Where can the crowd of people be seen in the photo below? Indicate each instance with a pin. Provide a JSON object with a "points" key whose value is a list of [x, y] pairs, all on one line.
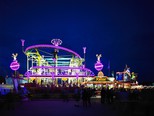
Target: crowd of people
{"points": [[83, 95], [126, 95]]}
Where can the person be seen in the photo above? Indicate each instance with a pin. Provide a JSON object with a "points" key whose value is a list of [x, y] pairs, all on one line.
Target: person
{"points": [[77, 96], [84, 97], [34, 81], [41, 82], [108, 95], [65, 94], [103, 95], [111, 95], [89, 94]]}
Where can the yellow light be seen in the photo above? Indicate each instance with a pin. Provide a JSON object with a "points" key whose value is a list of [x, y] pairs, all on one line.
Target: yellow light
{"points": [[64, 79]]}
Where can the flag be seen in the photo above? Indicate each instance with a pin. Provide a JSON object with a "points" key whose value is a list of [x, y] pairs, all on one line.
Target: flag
{"points": [[108, 67]]}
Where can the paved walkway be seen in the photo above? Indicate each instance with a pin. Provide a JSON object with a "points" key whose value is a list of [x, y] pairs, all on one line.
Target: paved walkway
{"points": [[61, 108], [58, 108]]}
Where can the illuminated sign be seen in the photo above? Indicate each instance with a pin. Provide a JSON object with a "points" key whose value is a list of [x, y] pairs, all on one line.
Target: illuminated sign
{"points": [[100, 79], [64, 79], [14, 65]]}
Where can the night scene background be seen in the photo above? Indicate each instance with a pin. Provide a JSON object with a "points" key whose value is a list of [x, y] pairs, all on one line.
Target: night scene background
{"points": [[122, 31]]}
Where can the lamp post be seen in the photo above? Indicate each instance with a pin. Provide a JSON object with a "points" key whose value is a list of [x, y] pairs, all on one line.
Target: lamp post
{"points": [[84, 51], [15, 66], [23, 44]]}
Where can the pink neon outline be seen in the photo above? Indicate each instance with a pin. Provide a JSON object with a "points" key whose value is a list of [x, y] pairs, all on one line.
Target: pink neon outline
{"points": [[48, 75], [59, 67], [51, 46], [74, 76], [14, 65]]}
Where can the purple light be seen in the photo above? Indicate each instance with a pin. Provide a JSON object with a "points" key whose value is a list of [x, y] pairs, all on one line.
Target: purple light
{"points": [[84, 50], [14, 65], [28, 74], [77, 76], [61, 67], [66, 76], [22, 41], [52, 73], [98, 66], [54, 59], [51, 46]]}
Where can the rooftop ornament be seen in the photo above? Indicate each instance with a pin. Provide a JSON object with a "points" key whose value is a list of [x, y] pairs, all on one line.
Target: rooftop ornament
{"points": [[56, 42]]}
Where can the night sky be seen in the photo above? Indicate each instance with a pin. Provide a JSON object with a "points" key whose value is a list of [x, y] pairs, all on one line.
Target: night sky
{"points": [[122, 31]]}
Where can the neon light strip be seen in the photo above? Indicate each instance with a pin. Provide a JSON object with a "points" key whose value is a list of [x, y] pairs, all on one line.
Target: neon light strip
{"points": [[61, 76], [63, 64], [58, 58], [64, 58], [54, 61], [51, 46], [62, 67], [59, 62]]}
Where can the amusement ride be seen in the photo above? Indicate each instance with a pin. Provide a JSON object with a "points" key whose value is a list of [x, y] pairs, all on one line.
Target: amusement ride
{"points": [[54, 63]]}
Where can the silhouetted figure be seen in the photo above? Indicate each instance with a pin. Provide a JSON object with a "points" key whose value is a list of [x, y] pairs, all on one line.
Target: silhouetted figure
{"points": [[77, 96], [65, 94], [34, 81], [41, 82], [84, 98], [111, 94], [103, 95], [89, 94]]}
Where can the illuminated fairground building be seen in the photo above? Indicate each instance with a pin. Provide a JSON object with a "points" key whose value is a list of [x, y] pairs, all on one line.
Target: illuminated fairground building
{"points": [[52, 63]]}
